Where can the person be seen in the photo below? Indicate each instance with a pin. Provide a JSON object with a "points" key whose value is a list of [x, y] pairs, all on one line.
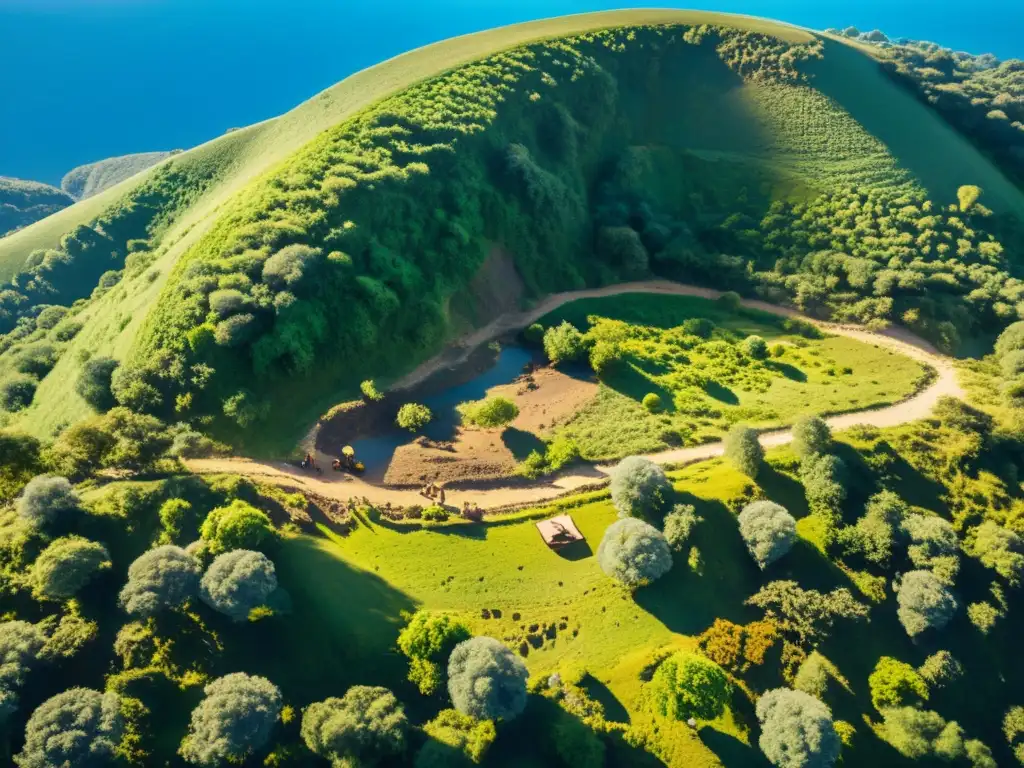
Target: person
{"points": [[440, 496]]}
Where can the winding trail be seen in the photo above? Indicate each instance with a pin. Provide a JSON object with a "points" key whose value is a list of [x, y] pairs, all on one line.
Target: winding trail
{"points": [[342, 486]]}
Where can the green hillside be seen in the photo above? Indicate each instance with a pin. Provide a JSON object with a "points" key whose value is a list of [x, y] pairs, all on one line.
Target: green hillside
{"points": [[92, 178], [23, 202], [746, 154]]}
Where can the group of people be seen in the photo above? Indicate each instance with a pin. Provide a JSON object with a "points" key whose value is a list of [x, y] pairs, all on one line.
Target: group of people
{"points": [[310, 463], [434, 492]]}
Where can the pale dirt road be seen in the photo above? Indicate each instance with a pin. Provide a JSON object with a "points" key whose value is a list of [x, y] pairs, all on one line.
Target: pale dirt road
{"points": [[342, 487]]}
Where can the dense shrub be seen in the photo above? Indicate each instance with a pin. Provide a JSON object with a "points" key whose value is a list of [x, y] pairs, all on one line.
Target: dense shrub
{"points": [[924, 603], [768, 530], [652, 402], [796, 730], [755, 347], [806, 614], [564, 343], [811, 435], [93, 383], [428, 640], [452, 730], [287, 267], [234, 719], [823, 476], [933, 544], [237, 582], [919, 734], [17, 392], [36, 360], [413, 416], [162, 578], [486, 680], [639, 487], [67, 565], [743, 450], [47, 498], [79, 727], [688, 685], [896, 684], [1013, 729], [874, 534], [492, 413], [21, 645], [634, 552], [370, 391], [239, 525], [1000, 549], [117, 439], [365, 726], [679, 524], [940, 669], [605, 356]]}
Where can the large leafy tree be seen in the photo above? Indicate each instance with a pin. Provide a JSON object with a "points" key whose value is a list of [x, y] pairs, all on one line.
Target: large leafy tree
{"points": [[688, 685], [46, 498], [924, 602], [811, 435], [162, 578], [743, 450], [67, 565], [21, 643], [639, 487], [364, 727], [79, 727], [1000, 549], [796, 730], [768, 530], [634, 552], [486, 680], [428, 640], [235, 719], [806, 614], [238, 581], [895, 684], [239, 525]]}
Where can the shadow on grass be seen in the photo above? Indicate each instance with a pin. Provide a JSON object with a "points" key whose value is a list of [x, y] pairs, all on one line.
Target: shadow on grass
{"points": [[721, 393], [784, 490], [628, 380], [578, 550], [791, 372], [601, 693], [732, 752], [520, 442]]}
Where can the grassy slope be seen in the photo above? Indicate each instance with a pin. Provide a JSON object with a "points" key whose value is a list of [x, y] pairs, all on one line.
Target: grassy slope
{"points": [[249, 153]]}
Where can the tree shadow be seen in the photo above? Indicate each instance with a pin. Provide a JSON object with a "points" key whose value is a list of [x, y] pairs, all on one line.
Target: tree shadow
{"points": [[630, 381], [720, 392], [783, 489], [521, 443], [732, 752], [602, 694], [791, 372], [577, 550]]}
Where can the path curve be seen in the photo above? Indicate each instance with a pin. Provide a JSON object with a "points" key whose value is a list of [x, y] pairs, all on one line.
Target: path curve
{"points": [[343, 487]]}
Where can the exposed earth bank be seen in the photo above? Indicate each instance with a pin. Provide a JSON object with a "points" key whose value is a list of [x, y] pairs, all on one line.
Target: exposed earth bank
{"points": [[503, 494]]}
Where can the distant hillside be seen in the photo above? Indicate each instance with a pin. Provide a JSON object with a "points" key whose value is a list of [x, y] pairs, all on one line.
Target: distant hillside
{"points": [[88, 180], [247, 283], [23, 202]]}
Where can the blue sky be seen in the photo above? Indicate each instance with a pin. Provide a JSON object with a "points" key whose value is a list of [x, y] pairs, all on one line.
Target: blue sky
{"points": [[87, 79]]}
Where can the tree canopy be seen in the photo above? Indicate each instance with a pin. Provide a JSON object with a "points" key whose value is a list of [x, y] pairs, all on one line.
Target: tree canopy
{"points": [[688, 685], [239, 525], [796, 730], [743, 450], [164, 577], [428, 640], [491, 413], [924, 602], [234, 719], [238, 581], [79, 727], [364, 727], [639, 487], [564, 343], [413, 416], [811, 435], [634, 552], [45, 498], [67, 565], [486, 680], [768, 530]]}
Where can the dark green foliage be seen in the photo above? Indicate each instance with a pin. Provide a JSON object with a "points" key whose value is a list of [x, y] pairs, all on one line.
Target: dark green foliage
{"points": [[428, 640], [806, 614], [896, 684], [236, 526], [19, 462], [755, 347], [117, 439], [823, 477], [21, 645], [924, 602], [36, 360], [93, 383], [564, 343], [940, 669], [491, 413], [452, 730], [768, 530], [688, 685], [413, 416], [874, 534], [1000, 549], [237, 582], [639, 487], [364, 727], [24, 202], [622, 248], [162, 578], [933, 544], [235, 719], [17, 392], [67, 565], [633, 552], [1013, 729], [796, 730], [918, 734], [743, 449], [679, 524], [811, 435], [49, 316], [486, 680], [45, 499], [79, 727]]}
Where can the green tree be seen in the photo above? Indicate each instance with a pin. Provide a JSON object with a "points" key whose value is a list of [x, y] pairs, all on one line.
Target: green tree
{"points": [[874, 534], [639, 487], [287, 267], [17, 392], [486, 680], [492, 413], [796, 730], [1013, 729], [234, 719], [19, 462], [162, 578], [67, 565], [239, 525], [79, 727], [370, 391], [93, 383], [806, 614], [679, 524], [755, 347], [651, 402], [940, 669], [45, 499], [237, 582], [364, 727], [811, 434], [454, 731], [768, 530], [428, 640], [822, 476], [688, 685], [896, 684], [743, 450], [924, 603], [21, 645], [1011, 339], [634, 553], [36, 360], [1000, 549], [563, 343], [917, 734], [413, 416], [933, 546]]}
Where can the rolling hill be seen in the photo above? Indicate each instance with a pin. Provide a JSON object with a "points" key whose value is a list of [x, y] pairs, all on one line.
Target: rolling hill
{"points": [[92, 178], [23, 202], [249, 282]]}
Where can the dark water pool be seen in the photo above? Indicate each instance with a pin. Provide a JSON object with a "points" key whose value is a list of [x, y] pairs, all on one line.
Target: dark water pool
{"points": [[376, 452]]}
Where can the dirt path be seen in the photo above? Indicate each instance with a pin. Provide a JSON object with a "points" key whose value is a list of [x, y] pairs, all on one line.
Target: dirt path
{"points": [[339, 486]]}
